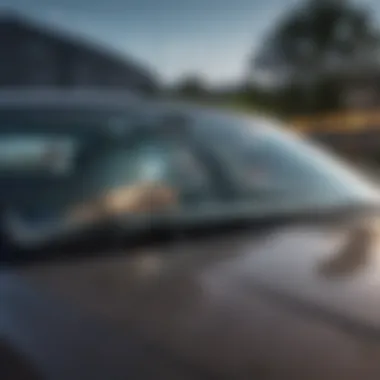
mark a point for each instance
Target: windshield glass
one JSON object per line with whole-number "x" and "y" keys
{"x": 276, "y": 169}
{"x": 61, "y": 170}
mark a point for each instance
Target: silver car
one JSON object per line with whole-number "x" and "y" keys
{"x": 147, "y": 240}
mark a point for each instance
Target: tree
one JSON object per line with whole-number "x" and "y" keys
{"x": 191, "y": 86}
{"x": 314, "y": 40}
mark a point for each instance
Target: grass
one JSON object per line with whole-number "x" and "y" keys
{"x": 235, "y": 105}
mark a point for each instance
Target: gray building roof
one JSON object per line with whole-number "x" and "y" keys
{"x": 10, "y": 21}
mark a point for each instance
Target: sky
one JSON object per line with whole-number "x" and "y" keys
{"x": 212, "y": 38}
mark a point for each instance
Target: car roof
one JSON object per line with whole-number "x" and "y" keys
{"x": 104, "y": 99}
{"x": 88, "y": 99}
{"x": 50, "y": 97}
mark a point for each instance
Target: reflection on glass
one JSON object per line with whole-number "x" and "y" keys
{"x": 151, "y": 172}
{"x": 144, "y": 198}
{"x": 28, "y": 152}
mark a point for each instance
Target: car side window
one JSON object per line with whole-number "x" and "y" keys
{"x": 152, "y": 158}
{"x": 173, "y": 163}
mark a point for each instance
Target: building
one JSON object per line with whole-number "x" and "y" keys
{"x": 36, "y": 55}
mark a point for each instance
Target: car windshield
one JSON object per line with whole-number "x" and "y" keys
{"x": 265, "y": 159}
{"x": 59, "y": 168}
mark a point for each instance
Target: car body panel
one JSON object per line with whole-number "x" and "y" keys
{"x": 212, "y": 304}
{"x": 62, "y": 342}
{"x": 297, "y": 301}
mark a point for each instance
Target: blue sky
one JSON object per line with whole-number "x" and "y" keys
{"x": 175, "y": 37}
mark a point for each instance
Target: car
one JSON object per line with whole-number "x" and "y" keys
{"x": 148, "y": 239}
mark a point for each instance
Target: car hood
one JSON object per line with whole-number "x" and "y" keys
{"x": 222, "y": 303}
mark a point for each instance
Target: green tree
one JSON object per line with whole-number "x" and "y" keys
{"x": 312, "y": 40}
{"x": 191, "y": 86}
